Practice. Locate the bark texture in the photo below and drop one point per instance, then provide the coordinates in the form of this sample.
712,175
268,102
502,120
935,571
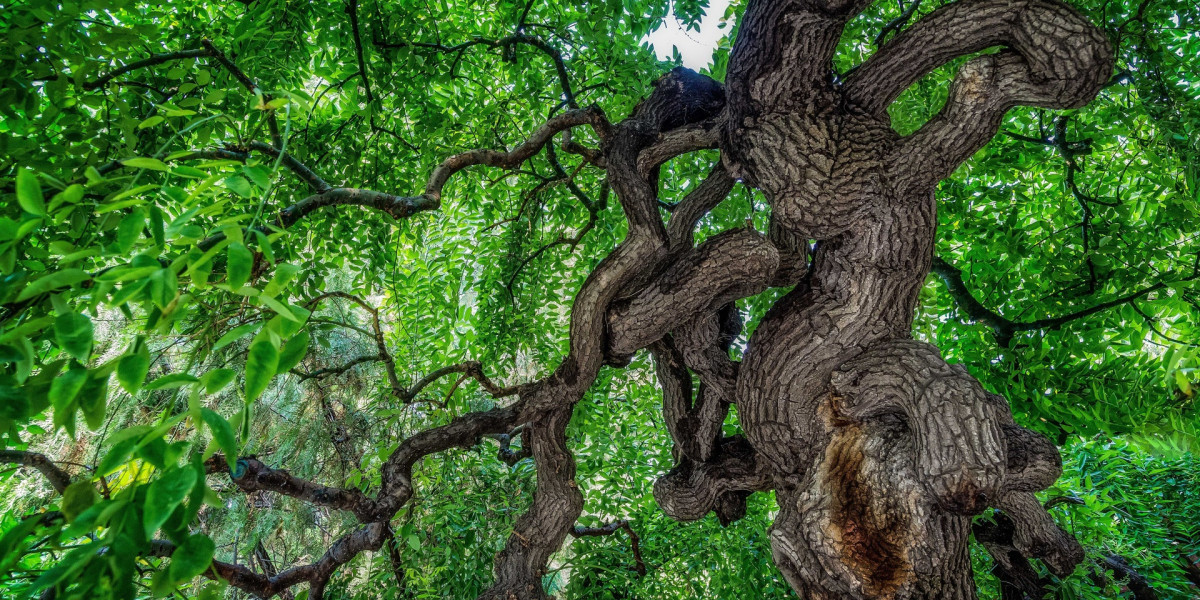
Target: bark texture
880,453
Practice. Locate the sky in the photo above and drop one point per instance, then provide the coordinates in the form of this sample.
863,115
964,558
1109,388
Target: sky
696,47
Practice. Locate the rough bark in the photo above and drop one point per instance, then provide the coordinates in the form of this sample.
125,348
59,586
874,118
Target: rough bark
879,451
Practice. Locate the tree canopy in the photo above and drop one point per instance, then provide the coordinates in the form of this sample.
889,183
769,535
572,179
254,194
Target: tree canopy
290,294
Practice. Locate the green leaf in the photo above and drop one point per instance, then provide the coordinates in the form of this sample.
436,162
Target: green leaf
241,261
130,229
279,307
293,351
163,287
145,163
74,332
93,400
239,185
1181,380
164,495
191,558
78,497
29,193
133,368
117,455
151,122
222,432
260,366
233,335
53,281
172,381
66,387
216,380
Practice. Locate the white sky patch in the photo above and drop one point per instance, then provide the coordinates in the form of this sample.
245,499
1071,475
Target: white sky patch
696,47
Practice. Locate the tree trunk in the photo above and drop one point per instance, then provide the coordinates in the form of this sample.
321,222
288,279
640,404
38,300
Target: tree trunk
880,452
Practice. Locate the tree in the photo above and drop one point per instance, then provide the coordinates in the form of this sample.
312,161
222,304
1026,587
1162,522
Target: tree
879,453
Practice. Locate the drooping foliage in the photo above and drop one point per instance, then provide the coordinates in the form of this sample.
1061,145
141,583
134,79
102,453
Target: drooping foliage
220,238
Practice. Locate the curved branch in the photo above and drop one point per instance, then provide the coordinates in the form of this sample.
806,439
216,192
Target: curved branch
1058,60
510,160
784,53
1004,327
692,490
397,207
726,267
154,59
506,42
58,478
471,368
352,10
316,574
698,136
611,528
251,475
1065,59
711,192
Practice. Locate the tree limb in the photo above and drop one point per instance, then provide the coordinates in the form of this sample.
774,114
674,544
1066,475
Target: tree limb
1004,327
505,42
352,10
58,478
611,528
154,59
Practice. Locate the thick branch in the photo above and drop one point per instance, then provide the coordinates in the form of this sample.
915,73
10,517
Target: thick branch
673,143
1063,52
58,478
727,267
721,484
316,574
251,475
1056,59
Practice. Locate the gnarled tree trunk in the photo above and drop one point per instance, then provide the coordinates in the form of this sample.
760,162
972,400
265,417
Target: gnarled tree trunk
879,451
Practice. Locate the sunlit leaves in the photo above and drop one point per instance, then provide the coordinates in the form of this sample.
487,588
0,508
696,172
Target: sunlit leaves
222,433
29,193
293,351
165,494
133,368
240,263
192,557
107,202
261,364
74,333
